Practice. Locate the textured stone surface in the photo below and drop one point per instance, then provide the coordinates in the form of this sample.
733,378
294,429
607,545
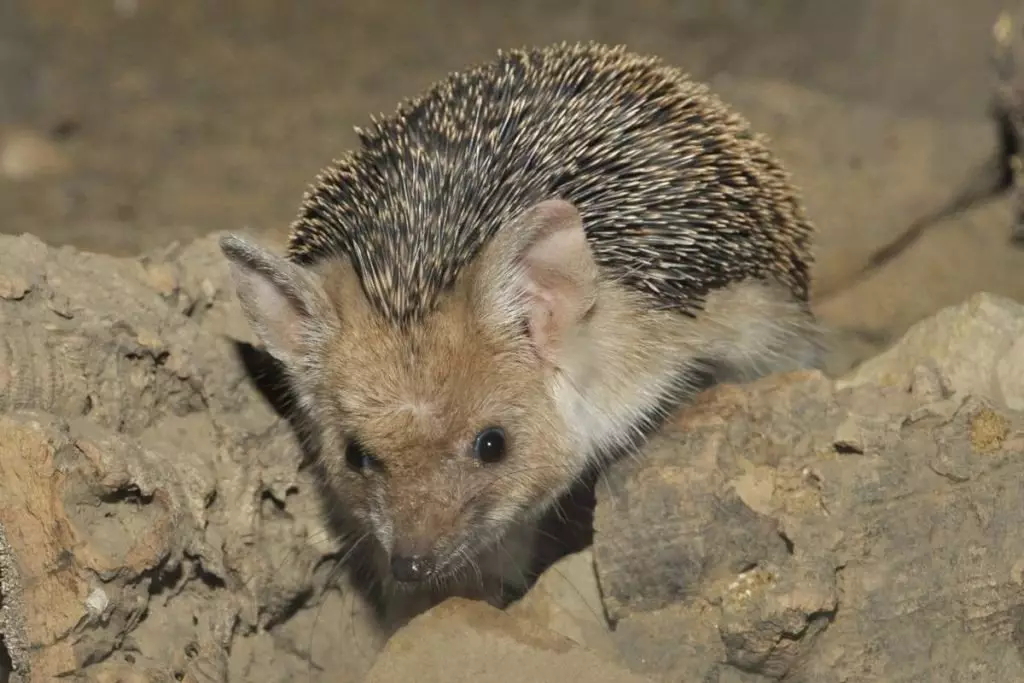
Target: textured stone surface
792,529
976,346
470,642
154,516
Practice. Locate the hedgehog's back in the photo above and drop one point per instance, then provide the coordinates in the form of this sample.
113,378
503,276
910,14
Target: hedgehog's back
676,195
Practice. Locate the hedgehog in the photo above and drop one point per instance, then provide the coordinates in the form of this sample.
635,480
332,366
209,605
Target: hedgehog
510,283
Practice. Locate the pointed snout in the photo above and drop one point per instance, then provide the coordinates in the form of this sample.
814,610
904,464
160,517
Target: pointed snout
426,519
413,557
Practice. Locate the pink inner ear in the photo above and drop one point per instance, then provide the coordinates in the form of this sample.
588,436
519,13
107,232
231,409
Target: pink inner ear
276,319
281,315
561,274
542,254
541,320
557,249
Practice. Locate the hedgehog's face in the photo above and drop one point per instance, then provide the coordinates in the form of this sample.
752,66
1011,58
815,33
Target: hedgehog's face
445,437
442,436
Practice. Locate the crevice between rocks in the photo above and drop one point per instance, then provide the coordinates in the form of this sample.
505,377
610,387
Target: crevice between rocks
6,663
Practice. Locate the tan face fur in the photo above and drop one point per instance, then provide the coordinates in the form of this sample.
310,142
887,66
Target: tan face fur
414,399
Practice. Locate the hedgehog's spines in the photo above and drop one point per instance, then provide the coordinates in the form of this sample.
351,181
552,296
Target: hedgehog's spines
678,195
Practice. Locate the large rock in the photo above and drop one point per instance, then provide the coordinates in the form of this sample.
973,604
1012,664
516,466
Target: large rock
94,523
790,529
155,521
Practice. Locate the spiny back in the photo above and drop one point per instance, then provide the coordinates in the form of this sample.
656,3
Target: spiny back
677,196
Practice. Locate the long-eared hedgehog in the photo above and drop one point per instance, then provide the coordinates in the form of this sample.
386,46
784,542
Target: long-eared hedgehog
509,282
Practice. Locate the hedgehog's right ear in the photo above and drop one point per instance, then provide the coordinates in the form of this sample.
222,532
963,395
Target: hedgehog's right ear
539,268
285,304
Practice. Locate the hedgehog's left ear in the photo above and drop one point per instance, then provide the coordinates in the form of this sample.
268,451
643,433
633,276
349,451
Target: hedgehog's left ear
285,304
540,268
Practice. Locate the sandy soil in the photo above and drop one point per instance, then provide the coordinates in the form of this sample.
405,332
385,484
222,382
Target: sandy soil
125,124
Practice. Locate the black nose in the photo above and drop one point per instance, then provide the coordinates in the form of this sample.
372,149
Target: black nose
411,568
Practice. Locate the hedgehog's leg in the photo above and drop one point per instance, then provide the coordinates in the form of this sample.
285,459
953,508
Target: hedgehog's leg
757,328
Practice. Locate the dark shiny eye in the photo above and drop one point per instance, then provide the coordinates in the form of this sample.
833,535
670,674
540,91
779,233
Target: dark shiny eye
357,457
489,445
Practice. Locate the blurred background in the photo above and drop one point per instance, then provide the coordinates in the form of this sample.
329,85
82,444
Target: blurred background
128,124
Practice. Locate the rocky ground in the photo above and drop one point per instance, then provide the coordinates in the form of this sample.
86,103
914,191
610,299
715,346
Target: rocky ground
156,520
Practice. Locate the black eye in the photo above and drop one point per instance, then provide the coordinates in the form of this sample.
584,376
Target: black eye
489,445
357,457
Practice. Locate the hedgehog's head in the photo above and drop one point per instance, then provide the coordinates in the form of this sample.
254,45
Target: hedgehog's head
440,435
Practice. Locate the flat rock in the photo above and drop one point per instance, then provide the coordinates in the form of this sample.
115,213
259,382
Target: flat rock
463,641
567,600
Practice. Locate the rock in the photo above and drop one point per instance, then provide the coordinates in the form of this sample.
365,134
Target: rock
14,654
193,278
977,346
86,522
792,529
567,600
156,522
460,640
90,337
956,257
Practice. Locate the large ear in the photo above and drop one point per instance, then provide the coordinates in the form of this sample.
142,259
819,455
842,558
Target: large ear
539,269
284,303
